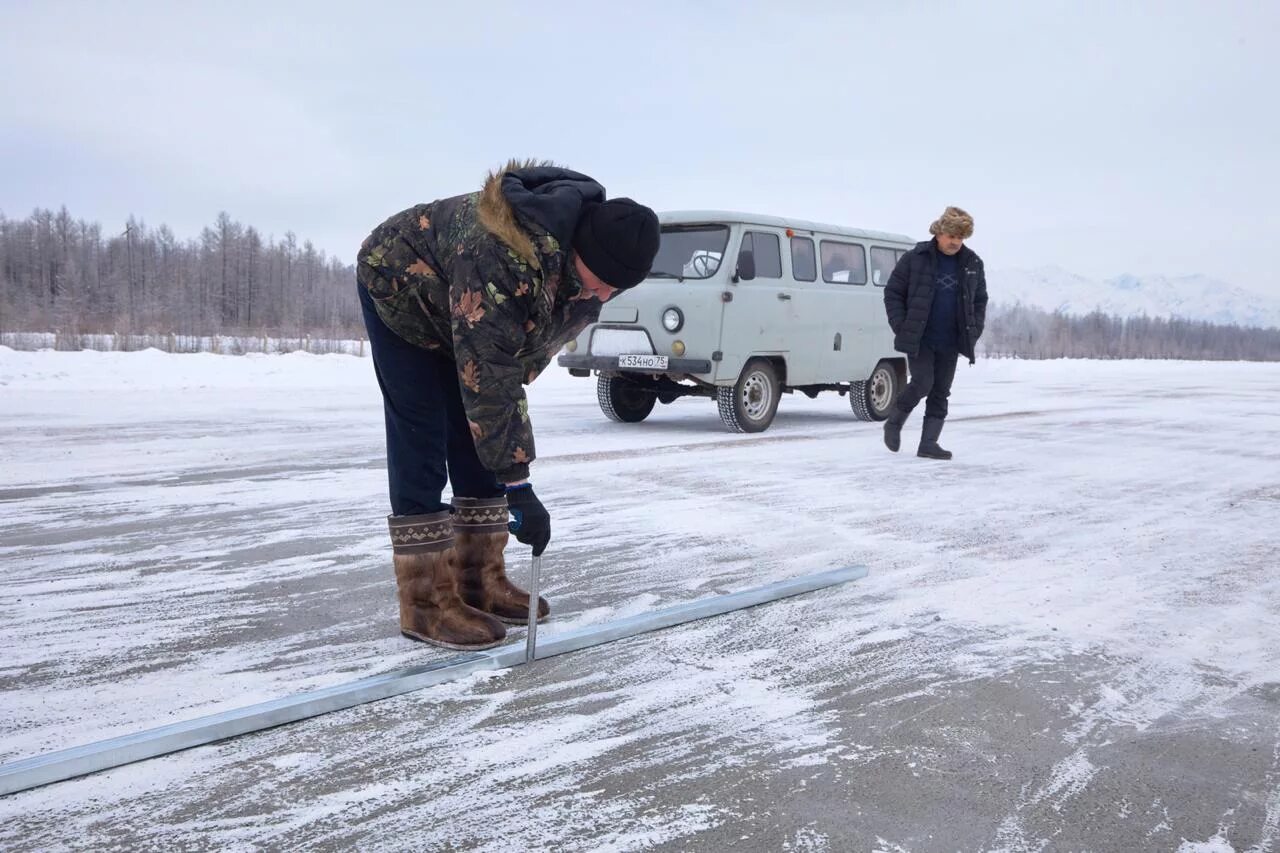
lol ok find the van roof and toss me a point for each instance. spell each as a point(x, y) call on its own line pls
point(681, 217)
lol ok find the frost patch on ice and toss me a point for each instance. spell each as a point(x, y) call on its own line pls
point(1067, 779)
point(883, 846)
point(1217, 844)
point(807, 840)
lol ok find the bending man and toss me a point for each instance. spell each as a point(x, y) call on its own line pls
point(466, 300)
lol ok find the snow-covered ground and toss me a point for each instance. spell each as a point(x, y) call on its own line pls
point(1069, 638)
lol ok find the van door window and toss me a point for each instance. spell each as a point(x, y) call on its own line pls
point(767, 253)
point(804, 261)
point(882, 264)
point(843, 263)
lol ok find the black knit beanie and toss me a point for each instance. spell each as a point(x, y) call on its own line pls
point(617, 240)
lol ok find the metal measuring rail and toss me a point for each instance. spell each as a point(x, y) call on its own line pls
point(118, 751)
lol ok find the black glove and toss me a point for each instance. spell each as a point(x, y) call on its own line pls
point(532, 524)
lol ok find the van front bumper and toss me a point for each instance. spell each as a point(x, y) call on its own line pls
point(610, 363)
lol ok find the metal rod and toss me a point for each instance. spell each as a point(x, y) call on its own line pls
point(127, 749)
point(531, 641)
point(641, 623)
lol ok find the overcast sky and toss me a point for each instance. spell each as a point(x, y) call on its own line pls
point(1101, 137)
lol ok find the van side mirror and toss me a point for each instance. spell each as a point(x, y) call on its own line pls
point(746, 266)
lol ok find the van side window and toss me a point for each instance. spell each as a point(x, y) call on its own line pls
point(843, 263)
point(882, 264)
point(804, 262)
point(767, 252)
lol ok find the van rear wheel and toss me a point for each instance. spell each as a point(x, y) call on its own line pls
point(871, 399)
point(625, 399)
point(749, 406)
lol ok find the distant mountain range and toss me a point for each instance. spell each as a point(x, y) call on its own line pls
point(1192, 297)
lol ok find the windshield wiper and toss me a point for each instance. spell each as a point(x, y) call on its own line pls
point(665, 274)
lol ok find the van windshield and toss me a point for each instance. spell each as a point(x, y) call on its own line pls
point(690, 251)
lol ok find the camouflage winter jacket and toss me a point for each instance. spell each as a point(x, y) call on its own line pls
point(484, 279)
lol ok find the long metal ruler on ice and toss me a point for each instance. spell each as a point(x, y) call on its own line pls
point(118, 751)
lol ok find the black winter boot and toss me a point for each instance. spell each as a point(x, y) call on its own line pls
point(929, 433)
point(893, 428)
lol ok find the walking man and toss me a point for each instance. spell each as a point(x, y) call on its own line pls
point(936, 301)
point(467, 299)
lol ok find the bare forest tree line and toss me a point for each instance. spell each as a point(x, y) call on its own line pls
point(1019, 331)
point(145, 287)
point(59, 274)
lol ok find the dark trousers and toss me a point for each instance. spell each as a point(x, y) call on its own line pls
point(428, 440)
point(931, 375)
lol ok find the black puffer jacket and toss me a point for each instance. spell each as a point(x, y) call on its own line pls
point(909, 296)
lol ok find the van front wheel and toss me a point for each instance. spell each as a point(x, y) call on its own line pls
point(871, 399)
point(749, 406)
point(624, 399)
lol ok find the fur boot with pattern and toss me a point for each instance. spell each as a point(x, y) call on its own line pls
point(480, 525)
point(431, 606)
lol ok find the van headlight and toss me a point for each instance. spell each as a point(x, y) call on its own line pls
point(572, 346)
point(672, 319)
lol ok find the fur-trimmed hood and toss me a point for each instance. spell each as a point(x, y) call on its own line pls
point(528, 198)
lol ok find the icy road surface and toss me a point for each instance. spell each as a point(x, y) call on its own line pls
point(1069, 639)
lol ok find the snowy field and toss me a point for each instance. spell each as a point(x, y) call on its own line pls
point(1069, 638)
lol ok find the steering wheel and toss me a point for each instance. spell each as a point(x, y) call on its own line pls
point(704, 264)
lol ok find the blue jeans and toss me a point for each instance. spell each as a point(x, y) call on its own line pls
point(428, 438)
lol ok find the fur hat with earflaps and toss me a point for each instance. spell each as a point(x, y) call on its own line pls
point(953, 222)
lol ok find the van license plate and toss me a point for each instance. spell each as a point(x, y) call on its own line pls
point(646, 362)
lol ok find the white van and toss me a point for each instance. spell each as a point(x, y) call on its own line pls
point(798, 306)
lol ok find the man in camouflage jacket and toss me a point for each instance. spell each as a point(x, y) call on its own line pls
point(466, 300)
